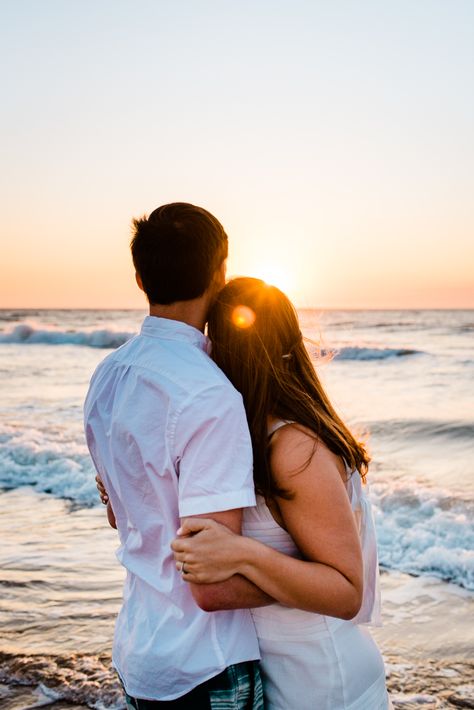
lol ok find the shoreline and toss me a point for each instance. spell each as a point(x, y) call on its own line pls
point(434, 671)
point(61, 590)
point(432, 683)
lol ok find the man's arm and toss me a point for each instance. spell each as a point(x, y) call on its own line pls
point(236, 592)
point(213, 446)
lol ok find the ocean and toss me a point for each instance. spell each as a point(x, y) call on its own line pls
point(402, 379)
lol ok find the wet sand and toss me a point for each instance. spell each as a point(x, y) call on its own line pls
point(429, 683)
point(427, 642)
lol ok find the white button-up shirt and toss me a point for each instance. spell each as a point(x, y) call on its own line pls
point(168, 435)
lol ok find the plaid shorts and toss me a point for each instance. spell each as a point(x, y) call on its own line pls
point(238, 687)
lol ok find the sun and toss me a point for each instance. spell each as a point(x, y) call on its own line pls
point(275, 275)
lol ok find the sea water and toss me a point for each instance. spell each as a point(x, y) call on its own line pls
point(403, 380)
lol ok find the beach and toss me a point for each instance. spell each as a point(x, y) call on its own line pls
point(403, 378)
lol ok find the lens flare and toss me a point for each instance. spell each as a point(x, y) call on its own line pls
point(243, 317)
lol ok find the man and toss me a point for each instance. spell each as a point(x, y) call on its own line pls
point(168, 436)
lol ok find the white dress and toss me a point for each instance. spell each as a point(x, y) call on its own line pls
point(315, 662)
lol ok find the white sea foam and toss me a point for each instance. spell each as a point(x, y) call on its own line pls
point(412, 699)
point(49, 465)
point(29, 335)
point(424, 531)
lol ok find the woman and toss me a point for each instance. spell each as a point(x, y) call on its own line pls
point(310, 541)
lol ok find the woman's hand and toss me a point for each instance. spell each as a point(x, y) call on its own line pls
point(105, 500)
point(101, 488)
point(206, 552)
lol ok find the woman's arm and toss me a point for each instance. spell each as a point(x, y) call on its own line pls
point(319, 519)
point(235, 593)
point(111, 516)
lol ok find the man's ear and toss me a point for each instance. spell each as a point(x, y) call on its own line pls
point(217, 281)
point(139, 281)
point(221, 274)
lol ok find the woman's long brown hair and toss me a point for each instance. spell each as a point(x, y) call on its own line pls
point(256, 341)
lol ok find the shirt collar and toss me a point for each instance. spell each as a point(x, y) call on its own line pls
point(155, 327)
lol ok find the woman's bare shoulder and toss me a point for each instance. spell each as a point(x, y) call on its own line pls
point(296, 450)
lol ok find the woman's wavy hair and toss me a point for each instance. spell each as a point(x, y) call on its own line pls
point(257, 342)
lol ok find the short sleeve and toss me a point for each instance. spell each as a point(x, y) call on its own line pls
point(214, 453)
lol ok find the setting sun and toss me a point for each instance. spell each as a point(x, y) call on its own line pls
point(275, 275)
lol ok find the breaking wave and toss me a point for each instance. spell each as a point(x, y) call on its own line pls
point(363, 353)
point(25, 334)
point(425, 532)
point(61, 468)
point(29, 335)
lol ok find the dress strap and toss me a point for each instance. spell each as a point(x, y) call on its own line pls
point(278, 425)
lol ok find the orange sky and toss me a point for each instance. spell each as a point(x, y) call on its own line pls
point(333, 140)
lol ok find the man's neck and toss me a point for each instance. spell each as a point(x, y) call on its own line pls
point(191, 312)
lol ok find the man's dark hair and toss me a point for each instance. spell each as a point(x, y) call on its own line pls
point(176, 251)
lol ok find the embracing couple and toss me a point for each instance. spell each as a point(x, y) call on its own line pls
point(237, 492)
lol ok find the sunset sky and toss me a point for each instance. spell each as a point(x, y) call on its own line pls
point(334, 140)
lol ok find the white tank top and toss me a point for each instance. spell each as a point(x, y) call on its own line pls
point(259, 523)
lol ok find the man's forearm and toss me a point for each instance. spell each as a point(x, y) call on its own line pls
point(235, 593)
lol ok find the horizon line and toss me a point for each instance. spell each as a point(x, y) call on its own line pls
point(299, 308)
